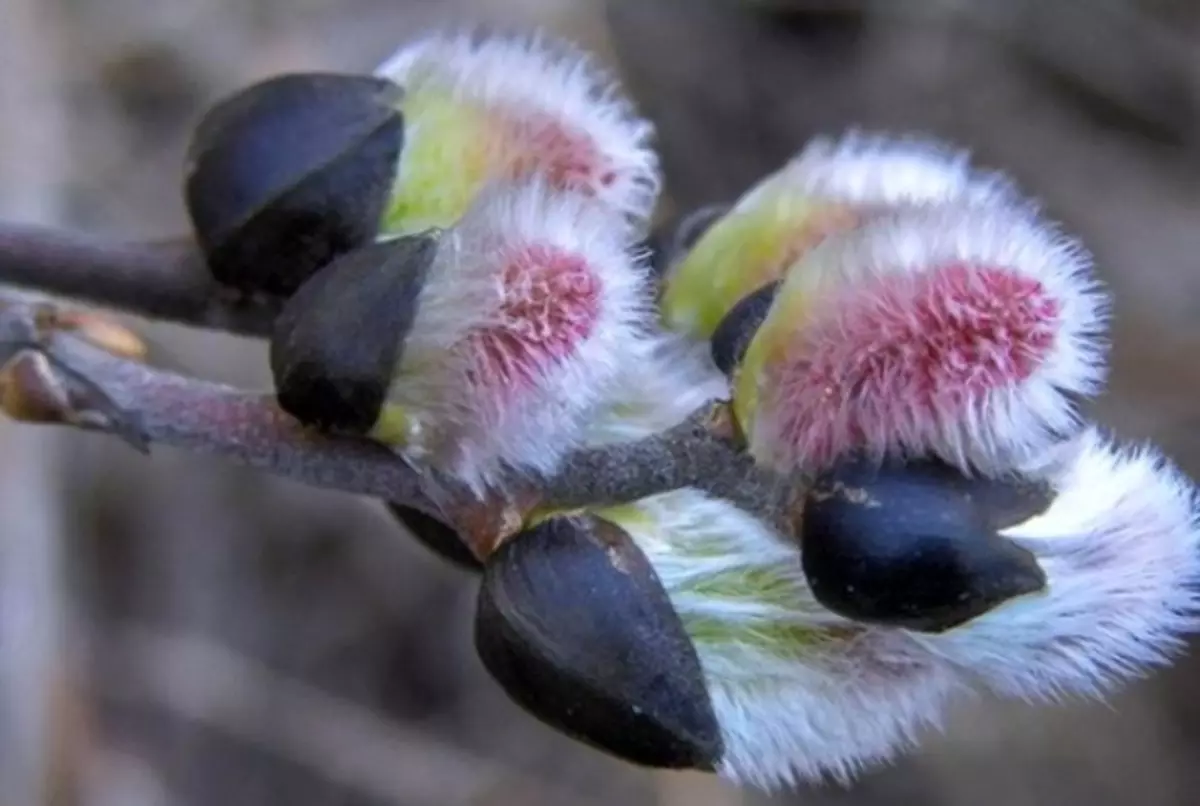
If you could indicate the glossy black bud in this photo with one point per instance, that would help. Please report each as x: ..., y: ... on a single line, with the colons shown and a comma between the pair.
x: 291, y: 172
x: 437, y: 537
x: 574, y: 624
x: 736, y: 330
x: 915, y: 544
x: 337, y: 341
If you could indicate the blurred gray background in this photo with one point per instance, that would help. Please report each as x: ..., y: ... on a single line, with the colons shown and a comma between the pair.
x: 178, y: 631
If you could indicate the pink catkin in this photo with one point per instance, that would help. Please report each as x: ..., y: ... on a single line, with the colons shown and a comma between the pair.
x: 904, y: 356
x: 568, y: 160
x: 551, y: 304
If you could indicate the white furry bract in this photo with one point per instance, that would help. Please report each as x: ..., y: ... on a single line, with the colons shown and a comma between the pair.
x: 866, y: 168
x: 538, y: 75
x: 1121, y: 549
x: 802, y: 694
x: 474, y: 425
x: 872, y: 170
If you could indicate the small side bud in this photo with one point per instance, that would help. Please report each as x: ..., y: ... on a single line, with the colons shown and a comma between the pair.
x: 289, y: 173
x: 914, y: 544
x: 337, y: 341
x: 532, y: 307
x: 102, y: 331
x: 966, y: 333
x: 31, y: 392
x: 482, y: 109
x: 830, y: 186
x: 575, y: 626
x: 36, y: 388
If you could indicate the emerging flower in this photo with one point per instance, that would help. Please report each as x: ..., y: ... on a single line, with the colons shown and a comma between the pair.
x: 963, y: 332
x: 532, y: 306
x: 829, y: 186
x: 799, y: 693
x: 495, y: 108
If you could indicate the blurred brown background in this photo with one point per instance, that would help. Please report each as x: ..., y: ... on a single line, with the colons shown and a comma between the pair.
x: 178, y: 631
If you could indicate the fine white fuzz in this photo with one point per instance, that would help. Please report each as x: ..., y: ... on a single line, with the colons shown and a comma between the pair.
x: 962, y: 331
x: 830, y: 186
x: 1121, y: 549
x: 532, y: 307
x: 877, y: 170
x: 799, y: 692
x: 803, y: 694
x: 547, y: 108
x: 665, y: 381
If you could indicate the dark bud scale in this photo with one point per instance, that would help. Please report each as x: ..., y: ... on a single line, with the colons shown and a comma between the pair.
x: 337, y: 341
x: 735, y: 332
x: 915, y: 544
x: 437, y: 537
x: 574, y: 624
x: 291, y: 172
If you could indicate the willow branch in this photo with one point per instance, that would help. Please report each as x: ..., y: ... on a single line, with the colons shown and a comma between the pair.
x: 167, y: 280
x: 704, y: 451
x: 57, y: 377
x: 54, y: 371
x: 164, y: 280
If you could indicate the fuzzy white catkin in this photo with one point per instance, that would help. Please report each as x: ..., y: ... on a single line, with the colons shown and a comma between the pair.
x: 479, y: 430
x: 803, y: 694
x: 888, y: 408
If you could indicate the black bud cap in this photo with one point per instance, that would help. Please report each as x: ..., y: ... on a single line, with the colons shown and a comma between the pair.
x: 338, y: 340
x: 669, y: 241
x: 915, y: 544
x: 736, y: 330
x: 436, y: 536
x: 291, y: 172
x: 695, y: 224
x: 574, y: 624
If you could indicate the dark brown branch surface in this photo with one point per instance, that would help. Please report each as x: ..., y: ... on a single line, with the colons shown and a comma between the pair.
x: 704, y: 451
x: 165, y: 280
